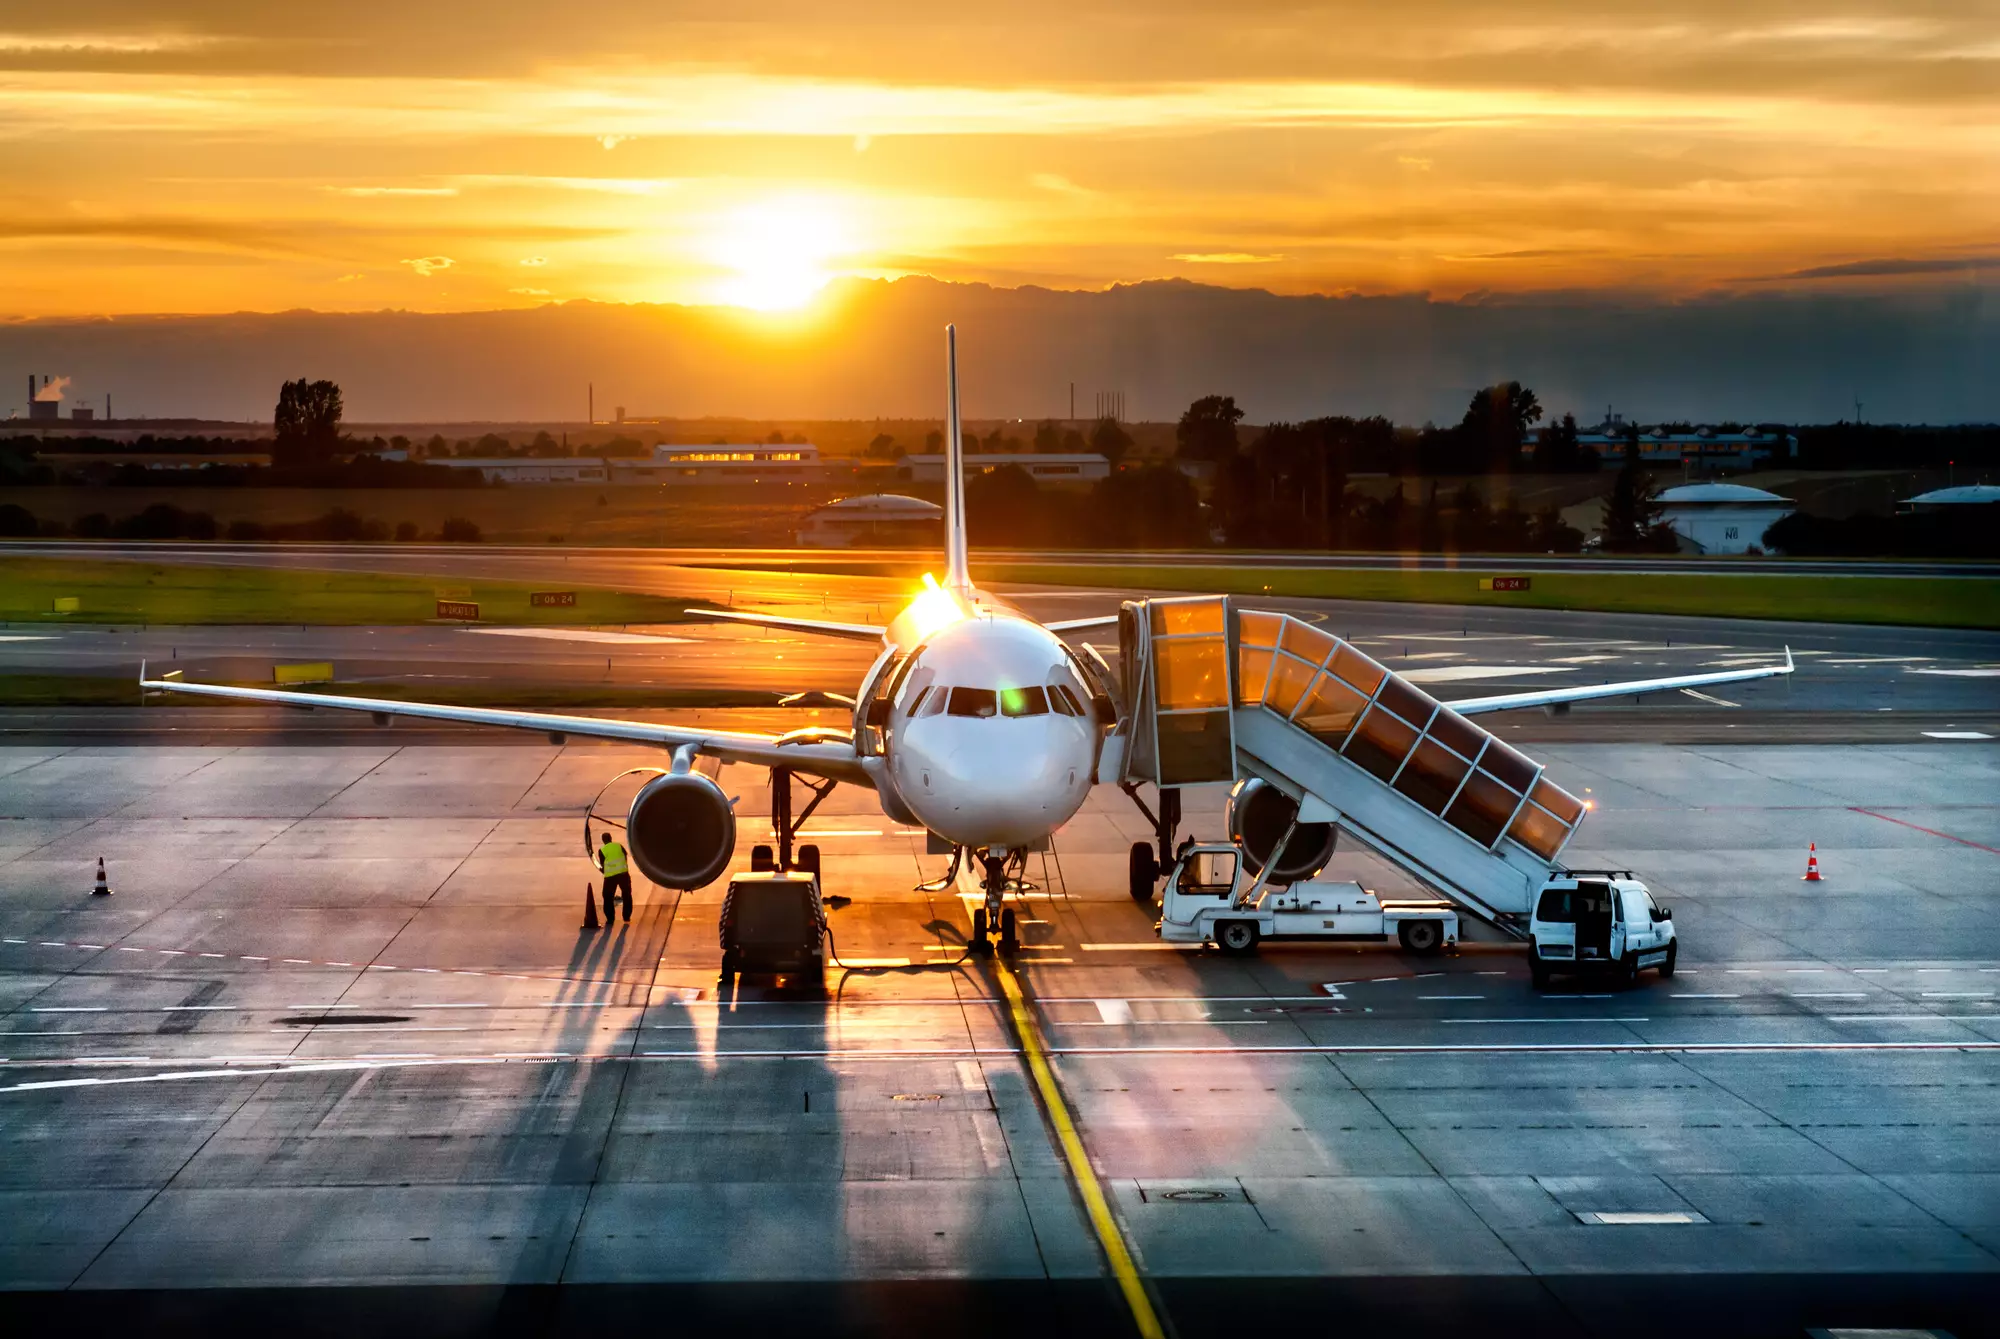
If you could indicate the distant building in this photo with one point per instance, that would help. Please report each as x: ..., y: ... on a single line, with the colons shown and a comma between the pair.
x: 82, y: 415
x: 796, y: 462
x: 1721, y: 518
x: 523, y: 469
x: 1699, y: 448
x: 877, y: 518
x: 1060, y: 467
x: 1964, y: 495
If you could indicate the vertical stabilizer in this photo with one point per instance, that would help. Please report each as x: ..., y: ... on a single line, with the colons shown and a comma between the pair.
x: 957, y: 578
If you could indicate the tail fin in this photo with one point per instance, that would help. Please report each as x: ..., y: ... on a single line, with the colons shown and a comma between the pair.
x: 956, y: 576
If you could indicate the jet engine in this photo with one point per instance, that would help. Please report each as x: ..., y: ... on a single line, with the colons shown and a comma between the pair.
x: 681, y: 830
x: 1258, y: 815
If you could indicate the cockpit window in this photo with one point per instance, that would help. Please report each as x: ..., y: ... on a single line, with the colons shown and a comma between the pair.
x: 1063, y: 699
x: 981, y: 702
x: 918, y: 705
x: 1024, y: 702
x: 934, y: 701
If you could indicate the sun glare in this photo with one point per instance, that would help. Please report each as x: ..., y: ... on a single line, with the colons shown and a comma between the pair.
x: 777, y: 252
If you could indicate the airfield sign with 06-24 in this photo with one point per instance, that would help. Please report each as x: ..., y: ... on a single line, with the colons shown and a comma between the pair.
x: 552, y: 599
x: 1503, y: 583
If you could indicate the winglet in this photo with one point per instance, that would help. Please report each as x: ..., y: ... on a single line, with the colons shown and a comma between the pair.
x: 956, y: 576
x: 1788, y: 660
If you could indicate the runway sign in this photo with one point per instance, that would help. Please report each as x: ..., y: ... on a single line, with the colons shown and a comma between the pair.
x: 68, y: 604
x: 319, y: 671
x: 552, y: 599
x: 459, y: 609
x: 1503, y: 583
x: 453, y: 592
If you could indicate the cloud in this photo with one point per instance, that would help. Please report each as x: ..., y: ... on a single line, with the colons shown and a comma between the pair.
x: 426, y: 266
x: 1410, y: 161
x: 349, y: 278
x: 1894, y: 265
x: 364, y: 191
x: 1225, y: 258
x: 530, y: 292
x: 1061, y: 185
x: 613, y: 141
x: 600, y: 185
x: 534, y: 262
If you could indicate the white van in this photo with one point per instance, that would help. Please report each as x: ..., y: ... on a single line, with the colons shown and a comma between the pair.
x: 1599, y: 920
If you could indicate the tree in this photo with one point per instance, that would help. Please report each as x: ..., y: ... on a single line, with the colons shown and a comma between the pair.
x: 1003, y: 507
x: 1207, y: 431
x: 1496, y: 423
x: 883, y: 447
x: 1048, y: 438
x: 1109, y: 440
x: 306, y: 422
x: 1153, y: 507
x: 1557, y: 450
x: 1632, y: 514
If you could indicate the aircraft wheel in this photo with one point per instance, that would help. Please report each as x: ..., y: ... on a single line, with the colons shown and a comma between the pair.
x: 1144, y: 869
x: 979, y: 943
x: 808, y: 860
x: 761, y: 860
x: 1420, y: 936
x: 1236, y: 937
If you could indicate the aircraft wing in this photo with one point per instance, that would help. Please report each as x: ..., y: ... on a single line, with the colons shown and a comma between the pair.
x: 1554, y: 697
x: 866, y: 632
x: 817, y: 757
x: 1083, y: 624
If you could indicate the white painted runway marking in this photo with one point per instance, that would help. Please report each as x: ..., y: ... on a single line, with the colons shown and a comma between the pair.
x: 1115, y: 1011
x: 1956, y: 734
x: 1451, y: 997
x: 1545, y: 1020
x: 1705, y: 997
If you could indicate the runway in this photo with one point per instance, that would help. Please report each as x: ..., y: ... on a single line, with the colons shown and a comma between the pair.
x: 336, y: 1046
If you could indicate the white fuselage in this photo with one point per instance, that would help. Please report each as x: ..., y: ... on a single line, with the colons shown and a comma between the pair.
x: 991, y: 739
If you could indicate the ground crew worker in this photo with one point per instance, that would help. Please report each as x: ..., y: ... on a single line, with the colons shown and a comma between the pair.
x: 611, y: 860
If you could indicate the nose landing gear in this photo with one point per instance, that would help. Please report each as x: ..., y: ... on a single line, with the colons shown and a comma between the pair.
x: 994, y: 916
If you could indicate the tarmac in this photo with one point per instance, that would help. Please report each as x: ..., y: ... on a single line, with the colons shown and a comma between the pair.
x: 336, y: 1055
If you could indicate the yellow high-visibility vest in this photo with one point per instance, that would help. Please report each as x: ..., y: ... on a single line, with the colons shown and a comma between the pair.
x: 614, y: 858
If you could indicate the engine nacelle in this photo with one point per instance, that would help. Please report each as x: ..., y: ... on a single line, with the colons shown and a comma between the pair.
x: 682, y: 830
x: 1258, y: 815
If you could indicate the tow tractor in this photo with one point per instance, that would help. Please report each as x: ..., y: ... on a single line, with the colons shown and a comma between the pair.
x: 1206, y: 902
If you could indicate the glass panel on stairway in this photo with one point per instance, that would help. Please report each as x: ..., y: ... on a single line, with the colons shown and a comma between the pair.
x: 1253, y: 672
x: 1482, y: 808
x: 1361, y: 673
x: 1306, y: 642
x: 1192, y: 673
x: 1431, y: 775
x: 1380, y: 742
x: 1538, y: 830
x: 1289, y: 680
x: 1330, y: 711
x: 1257, y: 628
x: 1196, y: 746
x: 1407, y: 700
x: 1509, y: 766
x: 1180, y: 618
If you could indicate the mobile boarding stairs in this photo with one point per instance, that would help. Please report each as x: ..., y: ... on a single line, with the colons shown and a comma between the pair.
x: 1213, y: 694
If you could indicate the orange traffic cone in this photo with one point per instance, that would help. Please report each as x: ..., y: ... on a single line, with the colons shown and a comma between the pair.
x: 103, y: 888
x: 1812, y: 863
x: 589, y: 907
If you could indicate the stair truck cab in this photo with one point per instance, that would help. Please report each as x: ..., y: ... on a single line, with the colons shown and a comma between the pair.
x: 1599, y: 921
x: 1206, y: 902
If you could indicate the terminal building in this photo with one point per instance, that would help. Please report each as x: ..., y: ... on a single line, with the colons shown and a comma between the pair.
x: 1721, y: 518
x: 1701, y: 448
x: 795, y: 462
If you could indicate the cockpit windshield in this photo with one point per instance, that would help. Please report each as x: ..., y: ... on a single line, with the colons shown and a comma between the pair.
x: 1024, y: 702
x: 980, y: 702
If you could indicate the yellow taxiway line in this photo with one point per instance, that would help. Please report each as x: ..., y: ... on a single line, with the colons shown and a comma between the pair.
x: 1109, y: 1235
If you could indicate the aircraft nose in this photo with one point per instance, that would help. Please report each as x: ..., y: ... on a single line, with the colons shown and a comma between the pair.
x: 998, y: 795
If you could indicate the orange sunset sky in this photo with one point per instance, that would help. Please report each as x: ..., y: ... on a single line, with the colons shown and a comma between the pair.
x: 222, y: 155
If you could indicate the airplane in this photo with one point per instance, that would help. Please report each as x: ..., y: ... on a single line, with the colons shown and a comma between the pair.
x: 975, y: 722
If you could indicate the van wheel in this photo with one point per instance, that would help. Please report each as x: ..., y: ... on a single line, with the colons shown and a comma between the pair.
x: 1673, y: 952
x: 1538, y: 973
x: 1420, y: 936
x: 1236, y: 937
x: 1144, y: 871
x: 1628, y: 970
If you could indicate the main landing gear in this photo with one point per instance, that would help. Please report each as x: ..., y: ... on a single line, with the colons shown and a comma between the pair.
x: 1149, y: 858
x: 994, y: 916
x: 785, y: 826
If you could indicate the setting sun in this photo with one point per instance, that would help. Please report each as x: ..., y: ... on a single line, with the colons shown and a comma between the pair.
x: 777, y: 253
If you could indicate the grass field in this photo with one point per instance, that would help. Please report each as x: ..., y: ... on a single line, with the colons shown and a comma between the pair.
x: 1949, y: 602
x: 157, y: 593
